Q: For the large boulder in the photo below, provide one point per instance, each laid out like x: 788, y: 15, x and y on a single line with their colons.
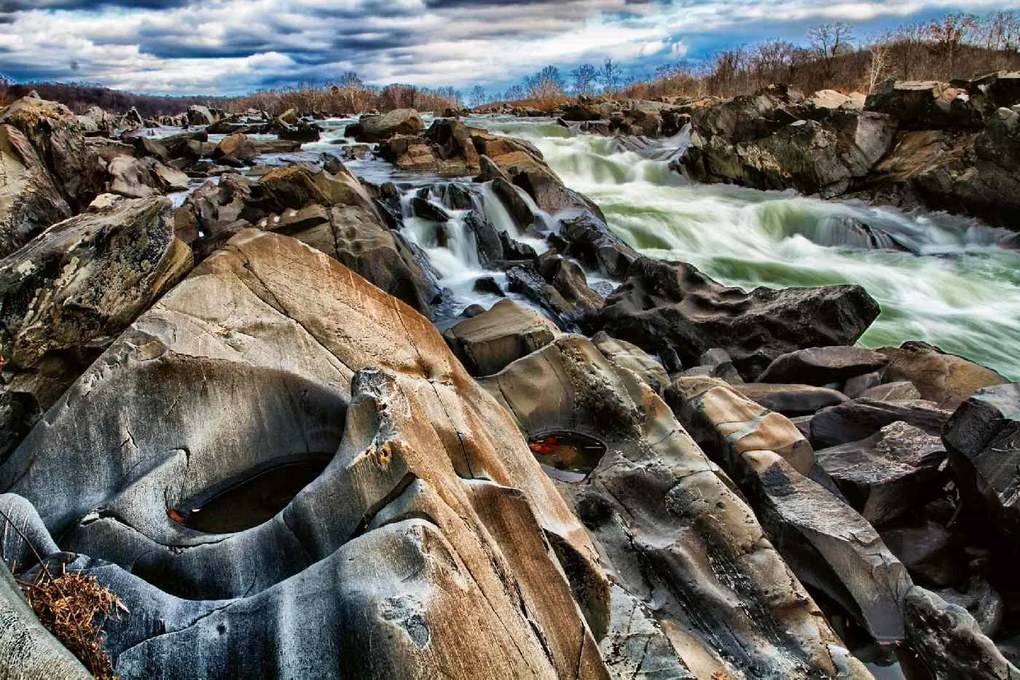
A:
x: 681, y: 542
x: 665, y: 306
x: 378, y: 128
x: 946, y: 379
x: 143, y: 177
x: 861, y: 418
x: 200, y: 115
x: 924, y: 104
x: 822, y: 365
x: 446, y: 148
x: 983, y: 437
x: 29, y: 199
x: 489, y: 342
x: 431, y: 544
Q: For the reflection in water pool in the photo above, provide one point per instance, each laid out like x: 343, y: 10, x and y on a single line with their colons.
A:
x: 567, y: 456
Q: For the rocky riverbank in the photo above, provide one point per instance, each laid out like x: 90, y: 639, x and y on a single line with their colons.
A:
x: 237, y: 412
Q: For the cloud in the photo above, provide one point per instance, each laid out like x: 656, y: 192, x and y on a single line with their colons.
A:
x: 235, y: 46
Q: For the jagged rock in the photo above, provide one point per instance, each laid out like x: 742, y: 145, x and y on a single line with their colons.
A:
x: 889, y: 474
x: 790, y: 400
x: 673, y: 306
x: 215, y: 209
x: 531, y: 174
x: 489, y: 342
x: 633, y: 358
x: 27, y: 650
x: 983, y: 437
x: 237, y: 148
x: 822, y: 365
x: 949, y: 642
x: 592, y: 243
x: 924, y: 105
x: 560, y: 287
x: 29, y: 200
x: 928, y: 551
x: 946, y: 379
x: 200, y: 115
x: 981, y: 601
x: 143, y: 177
x: 378, y: 128
x: 860, y: 418
x: 446, y: 148
x: 431, y: 545
x: 894, y: 391
x: 679, y: 540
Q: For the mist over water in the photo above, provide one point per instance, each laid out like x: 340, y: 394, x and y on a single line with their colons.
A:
x: 952, y: 286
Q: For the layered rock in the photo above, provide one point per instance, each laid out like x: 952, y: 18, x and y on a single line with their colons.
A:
x: 489, y: 342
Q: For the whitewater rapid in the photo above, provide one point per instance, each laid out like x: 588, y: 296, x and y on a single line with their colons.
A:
x: 954, y: 288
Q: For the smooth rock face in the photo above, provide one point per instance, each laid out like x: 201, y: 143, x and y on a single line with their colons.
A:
x: 943, y: 378
x: 983, y: 437
x: 626, y: 355
x: 889, y: 474
x: 679, y: 540
x: 669, y: 306
x: 791, y: 400
x: 432, y: 544
x: 489, y: 342
x: 29, y: 200
x: 949, y: 641
x: 822, y: 365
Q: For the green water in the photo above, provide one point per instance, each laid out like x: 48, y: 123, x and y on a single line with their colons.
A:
x: 958, y: 292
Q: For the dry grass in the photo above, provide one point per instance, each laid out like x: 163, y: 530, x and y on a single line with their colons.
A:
x: 69, y: 606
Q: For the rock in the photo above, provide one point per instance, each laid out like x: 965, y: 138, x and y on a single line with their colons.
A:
x: 547, y: 190
x: 560, y: 287
x: 593, y: 244
x: 983, y: 437
x: 981, y: 601
x: 673, y: 306
x: 890, y: 474
x: 633, y: 358
x: 29, y: 199
x: 236, y: 148
x: 378, y: 128
x: 27, y: 650
x: 143, y: 177
x: 406, y: 546
x: 790, y: 400
x: 215, y: 210
x: 301, y: 132
x: 721, y: 364
x: 822, y: 365
x: 949, y: 642
x: 946, y: 379
x: 894, y: 391
x: 860, y: 418
x: 928, y: 551
x: 854, y: 387
x: 669, y: 526
x: 924, y: 105
x: 200, y: 115
x: 489, y: 342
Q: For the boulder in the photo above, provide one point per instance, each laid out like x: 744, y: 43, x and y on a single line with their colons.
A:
x: 235, y: 148
x: 949, y: 642
x: 983, y: 437
x: 378, y: 128
x: 543, y: 186
x: 200, y: 115
x: 489, y: 342
x: 432, y: 544
x: 946, y: 379
x: 592, y: 243
x: 822, y: 365
x: 668, y: 524
x: 560, y: 287
x: 143, y: 177
x: 633, y: 358
x: 29, y: 199
x: 673, y: 306
x: 929, y: 551
x: 890, y: 474
x: 924, y: 105
x: 894, y: 391
x: 860, y: 418
x: 791, y: 400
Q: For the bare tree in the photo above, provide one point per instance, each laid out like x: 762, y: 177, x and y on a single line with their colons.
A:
x: 828, y: 41
x: 880, y: 60
x: 610, y: 75
x: 945, y: 35
x: 478, y: 96
x: 584, y: 78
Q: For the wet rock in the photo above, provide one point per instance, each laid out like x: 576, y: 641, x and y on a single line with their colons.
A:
x: 406, y: 546
x: 983, y: 437
x: 29, y: 199
x: 861, y: 418
x: 489, y: 342
x: 560, y: 287
x: 791, y: 400
x: 488, y: 285
x: 592, y: 243
x: 928, y: 551
x: 946, y: 379
x: 670, y: 527
x: 949, y: 642
x: 674, y: 306
x: 526, y: 170
x: 822, y: 365
x: 377, y: 128
x: 888, y: 475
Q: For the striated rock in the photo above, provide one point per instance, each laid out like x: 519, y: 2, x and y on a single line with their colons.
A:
x: 861, y: 418
x: 489, y: 342
x: 983, y: 437
x: 633, y: 358
x: 673, y: 306
x: 946, y: 379
x: 431, y: 544
x: 791, y: 400
x: 894, y: 391
x: 822, y: 365
x: 889, y: 474
x: 377, y: 128
x: 680, y: 542
x: 949, y: 642
x: 29, y: 200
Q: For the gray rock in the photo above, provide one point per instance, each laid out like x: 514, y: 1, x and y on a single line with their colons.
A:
x: 859, y: 419
x: 822, y: 365
x: 791, y: 400
x: 928, y: 551
x: 376, y: 128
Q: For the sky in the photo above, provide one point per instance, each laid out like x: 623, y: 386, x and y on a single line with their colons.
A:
x: 231, y: 47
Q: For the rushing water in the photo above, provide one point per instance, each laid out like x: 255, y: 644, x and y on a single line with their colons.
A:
x: 952, y: 287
